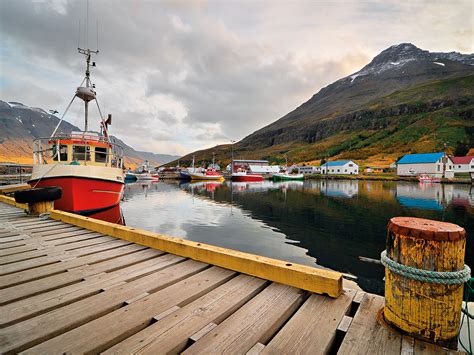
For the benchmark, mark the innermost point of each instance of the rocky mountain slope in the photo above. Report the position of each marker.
(405, 100)
(20, 124)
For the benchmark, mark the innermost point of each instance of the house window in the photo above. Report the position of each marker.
(338, 170)
(345, 170)
(62, 152)
(351, 165)
(81, 152)
(439, 168)
(100, 155)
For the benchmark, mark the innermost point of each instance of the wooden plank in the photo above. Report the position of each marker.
(16, 250)
(313, 327)
(257, 321)
(344, 324)
(366, 335)
(74, 275)
(60, 320)
(33, 306)
(171, 334)
(60, 255)
(21, 256)
(203, 331)
(103, 332)
(424, 348)
(13, 187)
(408, 345)
(39, 272)
(301, 276)
(11, 239)
(256, 349)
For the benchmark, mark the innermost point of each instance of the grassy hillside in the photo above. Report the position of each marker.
(416, 120)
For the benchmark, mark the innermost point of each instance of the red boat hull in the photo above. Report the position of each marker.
(85, 196)
(247, 178)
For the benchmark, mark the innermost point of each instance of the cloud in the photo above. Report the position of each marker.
(186, 75)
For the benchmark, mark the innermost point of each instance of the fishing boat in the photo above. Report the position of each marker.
(208, 175)
(130, 177)
(86, 165)
(246, 176)
(425, 178)
(285, 176)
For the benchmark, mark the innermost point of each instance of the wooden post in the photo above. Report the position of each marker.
(425, 310)
(40, 207)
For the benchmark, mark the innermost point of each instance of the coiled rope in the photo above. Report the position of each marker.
(440, 277)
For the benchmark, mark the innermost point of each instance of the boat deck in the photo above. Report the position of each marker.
(66, 289)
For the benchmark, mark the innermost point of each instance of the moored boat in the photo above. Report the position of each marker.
(245, 176)
(425, 178)
(208, 175)
(86, 165)
(287, 177)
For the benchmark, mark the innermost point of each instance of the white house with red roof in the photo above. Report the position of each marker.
(463, 164)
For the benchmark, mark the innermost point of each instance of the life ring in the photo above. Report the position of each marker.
(38, 194)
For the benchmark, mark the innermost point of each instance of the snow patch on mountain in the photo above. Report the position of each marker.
(442, 64)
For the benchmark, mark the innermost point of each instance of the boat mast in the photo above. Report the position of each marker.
(87, 92)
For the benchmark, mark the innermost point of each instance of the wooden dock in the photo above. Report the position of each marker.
(68, 289)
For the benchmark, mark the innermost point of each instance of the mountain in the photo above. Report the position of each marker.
(405, 100)
(20, 124)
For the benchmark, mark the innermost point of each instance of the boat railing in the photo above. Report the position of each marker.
(46, 148)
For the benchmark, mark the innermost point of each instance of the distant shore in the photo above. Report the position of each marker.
(381, 177)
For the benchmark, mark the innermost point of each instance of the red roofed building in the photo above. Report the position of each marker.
(463, 164)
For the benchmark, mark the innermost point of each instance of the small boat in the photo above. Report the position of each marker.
(130, 177)
(208, 175)
(425, 178)
(86, 165)
(245, 176)
(284, 176)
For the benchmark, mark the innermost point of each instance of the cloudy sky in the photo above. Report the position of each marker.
(184, 75)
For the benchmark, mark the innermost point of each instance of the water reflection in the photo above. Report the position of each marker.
(333, 222)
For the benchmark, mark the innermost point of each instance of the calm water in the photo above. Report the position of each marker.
(320, 223)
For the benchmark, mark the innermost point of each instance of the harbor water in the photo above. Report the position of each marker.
(321, 223)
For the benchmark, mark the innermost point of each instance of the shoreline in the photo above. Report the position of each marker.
(380, 178)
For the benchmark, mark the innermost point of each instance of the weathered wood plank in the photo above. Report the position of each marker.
(43, 271)
(257, 321)
(118, 325)
(423, 348)
(75, 275)
(32, 306)
(171, 334)
(366, 335)
(313, 327)
(16, 250)
(59, 256)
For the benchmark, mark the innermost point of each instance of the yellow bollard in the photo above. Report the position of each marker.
(38, 208)
(425, 310)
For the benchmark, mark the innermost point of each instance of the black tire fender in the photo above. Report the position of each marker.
(39, 194)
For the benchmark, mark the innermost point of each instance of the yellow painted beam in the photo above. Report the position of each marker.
(307, 278)
(12, 188)
(11, 201)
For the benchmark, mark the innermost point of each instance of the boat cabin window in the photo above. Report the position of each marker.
(100, 155)
(62, 154)
(81, 152)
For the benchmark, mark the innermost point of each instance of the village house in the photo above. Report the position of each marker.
(309, 170)
(463, 164)
(434, 164)
(341, 167)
